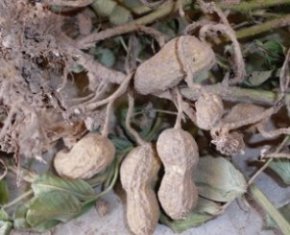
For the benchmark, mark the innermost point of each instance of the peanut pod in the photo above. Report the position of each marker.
(90, 155)
(178, 152)
(168, 67)
(209, 111)
(138, 173)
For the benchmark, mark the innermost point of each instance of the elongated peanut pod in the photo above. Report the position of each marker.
(165, 69)
(138, 173)
(178, 152)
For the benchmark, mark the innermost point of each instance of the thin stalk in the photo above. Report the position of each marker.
(18, 199)
(264, 27)
(252, 5)
(278, 149)
(264, 202)
(234, 94)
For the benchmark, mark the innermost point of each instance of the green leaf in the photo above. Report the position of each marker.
(105, 56)
(282, 168)
(273, 51)
(77, 68)
(104, 7)
(5, 227)
(204, 211)
(78, 188)
(19, 217)
(219, 180)
(117, 14)
(51, 206)
(193, 220)
(208, 207)
(120, 15)
(4, 194)
(257, 78)
(3, 215)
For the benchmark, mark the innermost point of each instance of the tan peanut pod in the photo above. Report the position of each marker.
(90, 155)
(209, 110)
(166, 69)
(138, 173)
(178, 152)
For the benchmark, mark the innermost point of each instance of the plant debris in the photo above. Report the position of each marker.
(66, 67)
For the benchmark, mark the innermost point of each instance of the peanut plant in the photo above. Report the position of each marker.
(200, 91)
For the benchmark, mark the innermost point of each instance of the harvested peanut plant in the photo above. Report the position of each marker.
(207, 78)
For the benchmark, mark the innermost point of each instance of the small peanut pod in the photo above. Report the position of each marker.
(90, 155)
(209, 110)
(166, 69)
(178, 152)
(138, 173)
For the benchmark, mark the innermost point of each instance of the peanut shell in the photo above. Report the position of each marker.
(178, 152)
(90, 155)
(138, 173)
(165, 69)
(209, 110)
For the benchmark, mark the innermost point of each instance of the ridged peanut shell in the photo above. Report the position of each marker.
(209, 110)
(89, 156)
(138, 173)
(177, 147)
(166, 68)
(178, 152)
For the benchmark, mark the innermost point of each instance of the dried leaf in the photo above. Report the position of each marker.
(282, 168)
(219, 180)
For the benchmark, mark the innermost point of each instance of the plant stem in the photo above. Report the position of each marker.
(234, 94)
(264, 202)
(277, 150)
(264, 27)
(252, 5)
(18, 199)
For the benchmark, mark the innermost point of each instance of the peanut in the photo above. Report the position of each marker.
(90, 155)
(138, 172)
(178, 152)
(209, 110)
(169, 66)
